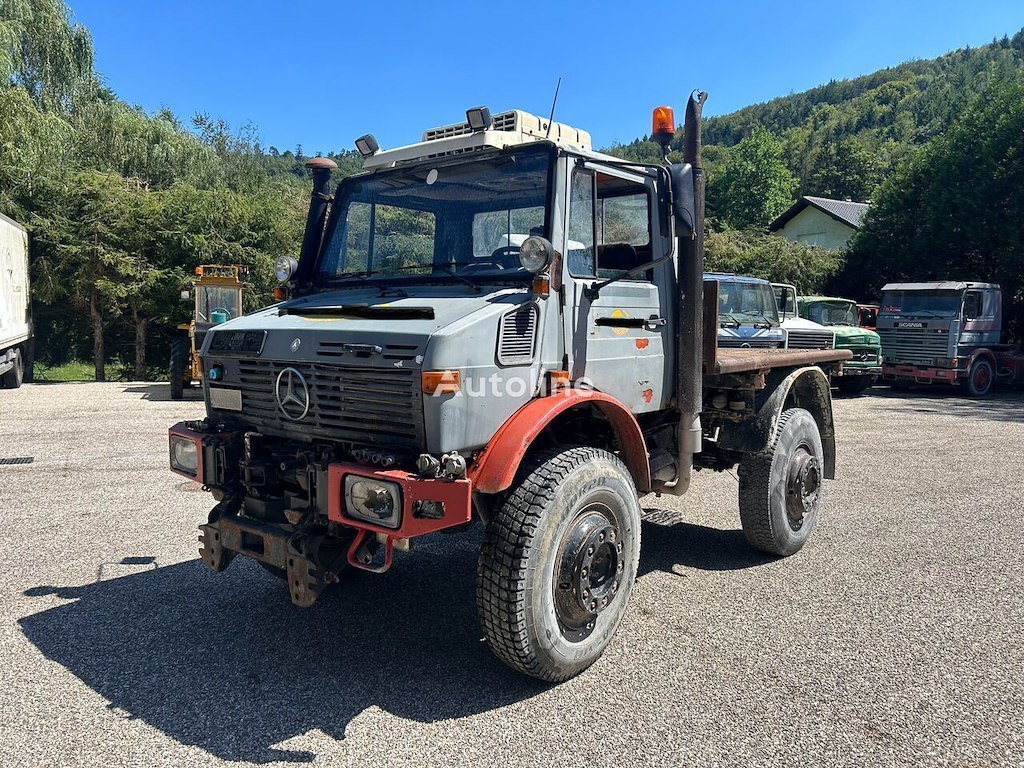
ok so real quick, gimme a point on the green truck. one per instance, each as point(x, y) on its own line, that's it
point(841, 315)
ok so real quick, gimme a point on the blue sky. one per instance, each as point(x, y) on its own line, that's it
point(322, 73)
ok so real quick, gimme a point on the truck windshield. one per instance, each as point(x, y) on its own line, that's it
point(439, 221)
point(833, 313)
point(217, 303)
point(935, 303)
point(747, 303)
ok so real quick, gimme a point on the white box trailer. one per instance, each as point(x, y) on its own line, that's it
point(15, 311)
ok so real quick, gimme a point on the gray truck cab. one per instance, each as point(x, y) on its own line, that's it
point(941, 331)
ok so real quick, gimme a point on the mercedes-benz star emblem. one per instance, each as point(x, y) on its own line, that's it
point(292, 394)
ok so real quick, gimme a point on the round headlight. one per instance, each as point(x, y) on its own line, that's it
point(284, 268)
point(535, 253)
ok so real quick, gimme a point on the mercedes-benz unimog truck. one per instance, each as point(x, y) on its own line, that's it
point(499, 326)
point(946, 332)
point(15, 305)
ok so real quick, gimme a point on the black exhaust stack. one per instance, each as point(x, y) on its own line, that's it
point(320, 169)
point(689, 179)
point(691, 270)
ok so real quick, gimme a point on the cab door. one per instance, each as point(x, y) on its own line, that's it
point(619, 337)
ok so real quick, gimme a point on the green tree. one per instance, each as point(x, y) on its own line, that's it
point(755, 186)
point(44, 52)
point(845, 169)
point(771, 257)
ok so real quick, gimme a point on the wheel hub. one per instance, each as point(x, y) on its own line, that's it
point(588, 572)
point(803, 485)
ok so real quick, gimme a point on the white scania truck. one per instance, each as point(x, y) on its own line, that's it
point(15, 310)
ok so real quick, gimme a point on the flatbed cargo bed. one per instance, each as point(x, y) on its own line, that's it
point(748, 360)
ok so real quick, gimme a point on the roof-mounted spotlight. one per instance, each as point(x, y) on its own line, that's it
point(479, 119)
point(367, 145)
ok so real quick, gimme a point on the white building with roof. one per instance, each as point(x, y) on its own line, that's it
point(821, 221)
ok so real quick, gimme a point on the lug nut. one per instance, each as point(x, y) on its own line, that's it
point(583, 573)
point(593, 605)
point(611, 535)
point(590, 550)
point(601, 536)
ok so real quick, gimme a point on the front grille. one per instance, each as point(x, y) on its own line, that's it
point(372, 407)
point(811, 339)
point(733, 343)
point(916, 346)
point(864, 355)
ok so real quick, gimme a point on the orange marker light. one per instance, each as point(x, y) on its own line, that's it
point(199, 271)
point(280, 293)
point(541, 286)
point(664, 124)
point(442, 382)
point(559, 379)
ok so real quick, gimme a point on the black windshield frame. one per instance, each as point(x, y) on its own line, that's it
point(353, 185)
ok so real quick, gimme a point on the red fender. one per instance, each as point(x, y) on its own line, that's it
point(495, 468)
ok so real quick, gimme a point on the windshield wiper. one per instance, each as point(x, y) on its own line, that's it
point(452, 273)
point(731, 318)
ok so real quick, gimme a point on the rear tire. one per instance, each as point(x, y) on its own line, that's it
point(980, 378)
point(181, 356)
point(13, 378)
point(854, 385)
point(559, 561)
point(780, 488)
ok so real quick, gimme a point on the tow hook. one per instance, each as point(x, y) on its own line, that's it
point(364, 548)
point(313, 565)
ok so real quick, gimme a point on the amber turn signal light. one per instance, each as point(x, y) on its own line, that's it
point(280, 293)
point(558, 379)
point(441, 382)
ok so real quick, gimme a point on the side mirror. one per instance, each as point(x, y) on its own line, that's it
point(684, 204)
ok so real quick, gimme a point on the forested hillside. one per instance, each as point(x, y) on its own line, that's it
point(841, 139)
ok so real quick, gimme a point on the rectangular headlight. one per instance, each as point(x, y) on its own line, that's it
point(375, 501)
point(185, 454)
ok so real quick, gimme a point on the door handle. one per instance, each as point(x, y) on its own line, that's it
point(654, 322)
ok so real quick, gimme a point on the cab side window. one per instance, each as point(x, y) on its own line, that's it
point(609, 225)
point(972, 305)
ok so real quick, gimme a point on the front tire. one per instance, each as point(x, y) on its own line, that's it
point(980, 378)
point(780, 488)
point(559, 561)
point(13, 378)
point(181, 356)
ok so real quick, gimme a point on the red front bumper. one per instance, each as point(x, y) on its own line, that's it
point(919, 374)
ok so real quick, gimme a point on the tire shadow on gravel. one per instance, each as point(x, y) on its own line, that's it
point(667, 547)
point(226, 663)
point(161, 392)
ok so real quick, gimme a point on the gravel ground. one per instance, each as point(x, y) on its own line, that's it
point(893, 638)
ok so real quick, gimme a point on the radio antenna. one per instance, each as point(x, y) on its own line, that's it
point(554, 103)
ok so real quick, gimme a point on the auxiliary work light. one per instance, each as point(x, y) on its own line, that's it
point(479, 119)
point(367, 145)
